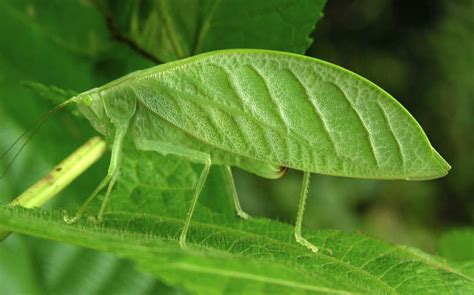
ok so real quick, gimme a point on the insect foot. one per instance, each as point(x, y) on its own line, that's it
point(306, 243)
point(243, 215)
point(182, 242)
point(94, 220)
point(70, 220)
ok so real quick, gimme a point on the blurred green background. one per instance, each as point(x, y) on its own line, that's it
point(422, 52)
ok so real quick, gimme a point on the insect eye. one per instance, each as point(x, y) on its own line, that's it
point(87, 100)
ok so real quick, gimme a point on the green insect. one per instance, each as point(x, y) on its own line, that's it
point(263, 111)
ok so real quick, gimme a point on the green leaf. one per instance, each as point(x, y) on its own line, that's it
point(258, 256)
point(171, 30)
point(54, 268)
point(457, 244)
point(281, 109)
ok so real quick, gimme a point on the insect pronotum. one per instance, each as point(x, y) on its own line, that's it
point(262, 111)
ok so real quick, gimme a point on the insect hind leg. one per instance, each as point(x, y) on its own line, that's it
point(235, 196)
point(299, 218)
point(109, 179)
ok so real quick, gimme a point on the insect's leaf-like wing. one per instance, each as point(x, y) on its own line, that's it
point(289, 110)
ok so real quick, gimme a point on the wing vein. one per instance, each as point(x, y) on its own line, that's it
point(277, 107)
point(361, 122)
point(399, 147)
point(317, 112)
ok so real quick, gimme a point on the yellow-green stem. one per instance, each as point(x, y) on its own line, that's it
point(60, 177)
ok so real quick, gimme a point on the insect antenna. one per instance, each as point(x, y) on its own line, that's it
point(29, 135)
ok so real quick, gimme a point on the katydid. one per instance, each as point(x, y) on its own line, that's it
point(264, 112)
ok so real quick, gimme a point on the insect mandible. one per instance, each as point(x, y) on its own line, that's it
point(263, 111)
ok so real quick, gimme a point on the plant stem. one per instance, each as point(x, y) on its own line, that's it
point(60, 177)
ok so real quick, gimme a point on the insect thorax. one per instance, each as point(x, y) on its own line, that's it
point(107, 109)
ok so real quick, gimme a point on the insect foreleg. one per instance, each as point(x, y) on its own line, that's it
point(110, 178)
point(230, 182)
point(299, 217)
point(107, 195)
point(194, 156)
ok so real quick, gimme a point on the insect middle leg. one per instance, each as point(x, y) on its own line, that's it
point(299, 217)
point(230, 182)
point(194, 156)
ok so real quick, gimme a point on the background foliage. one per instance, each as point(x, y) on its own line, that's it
point(420, 52)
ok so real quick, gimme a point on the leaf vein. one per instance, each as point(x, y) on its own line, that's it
point(352, 247)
